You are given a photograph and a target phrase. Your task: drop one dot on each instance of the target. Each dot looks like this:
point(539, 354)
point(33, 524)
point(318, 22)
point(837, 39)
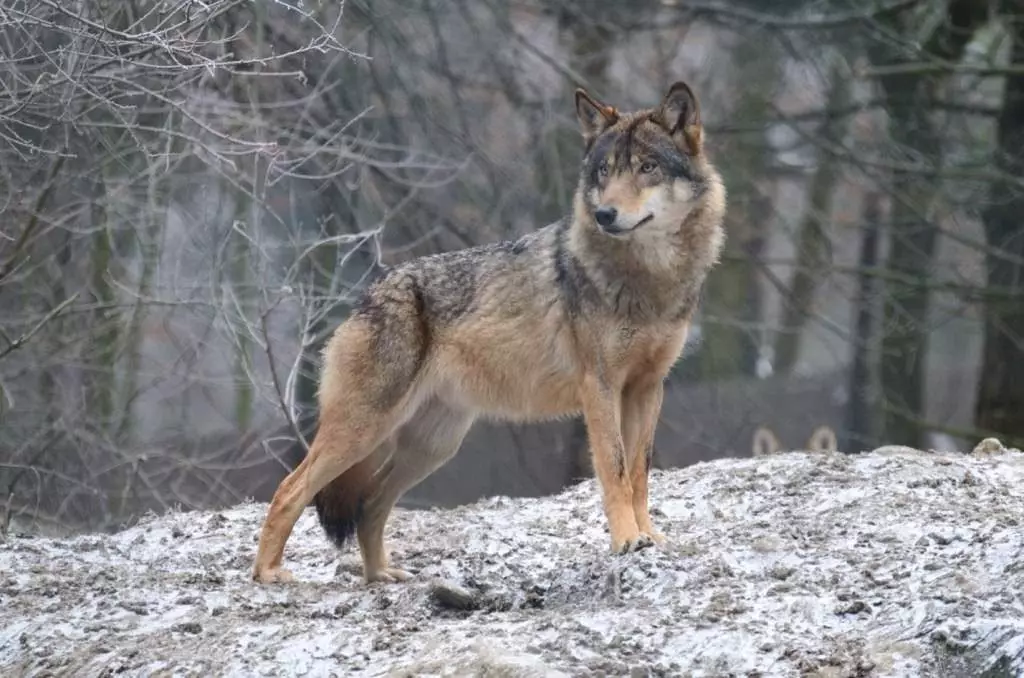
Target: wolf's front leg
point(641, 406)
point(601, 411)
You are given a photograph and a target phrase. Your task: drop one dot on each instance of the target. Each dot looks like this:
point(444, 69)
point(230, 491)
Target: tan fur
point(823, 440)
point(765, 443)
point(567, 321)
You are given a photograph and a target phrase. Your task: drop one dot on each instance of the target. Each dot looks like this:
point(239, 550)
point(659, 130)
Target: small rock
point(893, 450)
point(497, 602)
point(349, 566)
point(449, 594)
point(853, 607)
point(865, 667)
point(988, 446)
point(137, 608)
point(188, 627)
point(613, 586)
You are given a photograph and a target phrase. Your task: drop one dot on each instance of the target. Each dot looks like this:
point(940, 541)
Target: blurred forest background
point(193, 192)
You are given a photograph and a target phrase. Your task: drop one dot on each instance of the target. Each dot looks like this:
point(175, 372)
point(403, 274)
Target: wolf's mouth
point(623, 231)
point(613, 230)
point(642, 221)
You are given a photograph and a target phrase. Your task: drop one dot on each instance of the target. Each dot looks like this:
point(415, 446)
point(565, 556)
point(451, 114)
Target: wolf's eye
point(647, 167)
point(602, 169)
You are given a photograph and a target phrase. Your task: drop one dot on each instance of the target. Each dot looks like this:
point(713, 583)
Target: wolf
point(584, 316)
point(765, 443)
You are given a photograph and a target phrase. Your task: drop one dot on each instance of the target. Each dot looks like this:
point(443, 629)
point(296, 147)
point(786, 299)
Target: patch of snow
point(890, 563)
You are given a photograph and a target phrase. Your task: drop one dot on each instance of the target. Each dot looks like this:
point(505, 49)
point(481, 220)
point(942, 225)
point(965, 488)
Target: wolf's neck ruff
point(650, 277)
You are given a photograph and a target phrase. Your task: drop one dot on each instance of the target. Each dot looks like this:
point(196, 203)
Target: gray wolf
point(823, 439)
point(585, 316)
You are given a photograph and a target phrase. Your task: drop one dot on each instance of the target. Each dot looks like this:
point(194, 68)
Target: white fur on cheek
point(670, 205)
point(654, 204)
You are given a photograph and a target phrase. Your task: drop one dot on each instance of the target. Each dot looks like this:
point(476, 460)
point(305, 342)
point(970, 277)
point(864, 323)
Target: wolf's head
point(645, 171)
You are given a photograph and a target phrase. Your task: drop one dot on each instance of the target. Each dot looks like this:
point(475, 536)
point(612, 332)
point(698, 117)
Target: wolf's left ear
point(594, 116)
point(680, 115)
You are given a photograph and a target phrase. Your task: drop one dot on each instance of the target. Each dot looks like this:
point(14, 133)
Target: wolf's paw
point(272, 575)
point(646, 527)
point(640, 541)
point(389, 575)
point(655, 536)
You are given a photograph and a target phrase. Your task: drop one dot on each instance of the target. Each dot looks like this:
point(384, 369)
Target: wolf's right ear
point(823, 440)
point(680, 115)
point(765, 443)
point(594, 116)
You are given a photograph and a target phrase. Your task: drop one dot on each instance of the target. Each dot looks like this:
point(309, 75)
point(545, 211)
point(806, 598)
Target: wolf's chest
point(636, 307)
point(644, 349)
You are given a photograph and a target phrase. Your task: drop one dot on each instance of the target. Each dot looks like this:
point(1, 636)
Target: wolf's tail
point(339, 505)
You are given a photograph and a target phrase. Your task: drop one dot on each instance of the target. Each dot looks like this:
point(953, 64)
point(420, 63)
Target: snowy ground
point(893, 563)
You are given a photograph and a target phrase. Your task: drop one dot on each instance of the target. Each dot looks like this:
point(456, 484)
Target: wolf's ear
point(594, 116)
point(765, 443)
point(680, 115)
point(823, 440)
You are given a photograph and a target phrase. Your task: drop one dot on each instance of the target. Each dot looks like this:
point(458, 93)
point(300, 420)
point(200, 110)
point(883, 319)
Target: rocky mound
point(890, 563)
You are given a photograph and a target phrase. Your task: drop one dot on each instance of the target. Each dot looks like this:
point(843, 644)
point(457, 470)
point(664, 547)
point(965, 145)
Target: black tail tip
point(338, 519)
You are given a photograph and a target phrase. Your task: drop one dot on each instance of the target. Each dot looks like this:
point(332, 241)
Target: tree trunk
point(101, 381)
point(905, 337)
point(812, 255)
point(732, 304)
point(1000, 404)
point(862, 426)
point(149, 255)
point(813, 247)
point(913, 234)
point(239, 265)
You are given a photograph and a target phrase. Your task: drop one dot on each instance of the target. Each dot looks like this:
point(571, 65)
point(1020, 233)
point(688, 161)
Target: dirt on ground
point(890, 563)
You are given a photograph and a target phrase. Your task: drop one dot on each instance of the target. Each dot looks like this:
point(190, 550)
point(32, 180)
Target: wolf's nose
point(606, 216)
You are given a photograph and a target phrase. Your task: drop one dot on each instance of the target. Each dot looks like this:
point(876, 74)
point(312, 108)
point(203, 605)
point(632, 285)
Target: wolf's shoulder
point(450, 262)
point(463, 269)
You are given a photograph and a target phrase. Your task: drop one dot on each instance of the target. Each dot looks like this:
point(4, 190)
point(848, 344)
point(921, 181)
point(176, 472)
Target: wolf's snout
point(606, 216)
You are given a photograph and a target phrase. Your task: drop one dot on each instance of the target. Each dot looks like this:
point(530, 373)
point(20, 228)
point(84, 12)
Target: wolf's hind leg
point(423, 444)
point(369, 378)
point(335, 448)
